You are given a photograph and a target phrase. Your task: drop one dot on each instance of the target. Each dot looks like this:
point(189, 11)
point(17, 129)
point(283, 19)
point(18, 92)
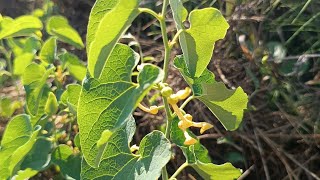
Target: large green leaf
point(34, 81)
point(69, 163)
point(22, 26)
point(227, 105)
point(18, 139)
point(198, 158)
point(48, 50)
point(105, 103)
point(74, 65)
point(109, 19)
point(206, 27)
point(59, 26)
point(119, 163)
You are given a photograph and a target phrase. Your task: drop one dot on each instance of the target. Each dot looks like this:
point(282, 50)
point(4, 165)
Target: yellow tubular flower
point(152, 110)
point(205, 126)
point(183, 94)
point(189, 140)
point(183, 125)
point(188, 117)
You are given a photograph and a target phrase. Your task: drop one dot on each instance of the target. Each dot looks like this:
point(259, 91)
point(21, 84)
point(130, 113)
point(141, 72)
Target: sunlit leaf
point(18, 139)
point(105, 103)
point(108, 20)
point(206, 27)
point(119, 163)
point(71, 96)
point(34, 81)
point(51, 105)
point(48, 51)
point(22, 26)
point(74, 65)
point(227, 105)
point(21, 62)
point(59, 26)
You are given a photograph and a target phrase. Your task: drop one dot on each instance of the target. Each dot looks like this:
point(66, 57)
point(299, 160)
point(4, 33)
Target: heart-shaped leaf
point(206, 27)
point(119, 163)
point(105, 103)
point(227, 105)
point(108, 20)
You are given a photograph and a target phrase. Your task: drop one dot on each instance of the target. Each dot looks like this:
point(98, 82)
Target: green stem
point(184, 165)
point(151, 12)
point(190, 98)
point(175, 38)
point(167, 47)
point(167, 50)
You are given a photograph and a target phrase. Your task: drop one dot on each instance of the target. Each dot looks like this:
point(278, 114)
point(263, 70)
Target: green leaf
point(119, 163)
point(105, 103)
point(25, 174)
point(108, 20)
point(48, 50)
point(69, 163)
point(74, 65)
point(206, 27)
point(18, 139)
point(59, 26)
point(70, 97)
point(21, 62)
point(212, 171)
point(8, 106)
point(51, 105)
point(22, 26)
point(21, 46)
point(197, 156)
point(37, 160)
point(34, 81)
point(227, 105)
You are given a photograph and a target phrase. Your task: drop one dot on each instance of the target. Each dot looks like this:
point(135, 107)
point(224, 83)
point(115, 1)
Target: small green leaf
point(18, 139)
point(22, 26)
point(206, 27)
point(74, 65)
point(8, 106)
point(59, 26)
point(69, 163)
point(34, 81)
point(212, 171)
point(21, 46)
point(119, 163)
point(108, 20)
point(227, 105)
point(21, 62)
point(51, 105)
point(105, 103)
point(48, 51)
point(71, 96)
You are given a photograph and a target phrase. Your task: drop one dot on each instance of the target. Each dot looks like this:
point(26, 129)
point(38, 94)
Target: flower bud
point(189, 140)
point(183, 94)
point(166, 91)
point(153, 110)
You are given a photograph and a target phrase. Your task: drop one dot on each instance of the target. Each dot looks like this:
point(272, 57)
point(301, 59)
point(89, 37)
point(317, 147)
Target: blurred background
point(272, 50)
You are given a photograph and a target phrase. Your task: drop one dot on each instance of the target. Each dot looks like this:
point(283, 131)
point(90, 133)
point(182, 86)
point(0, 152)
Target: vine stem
point(167, 52)
point(184, 165)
